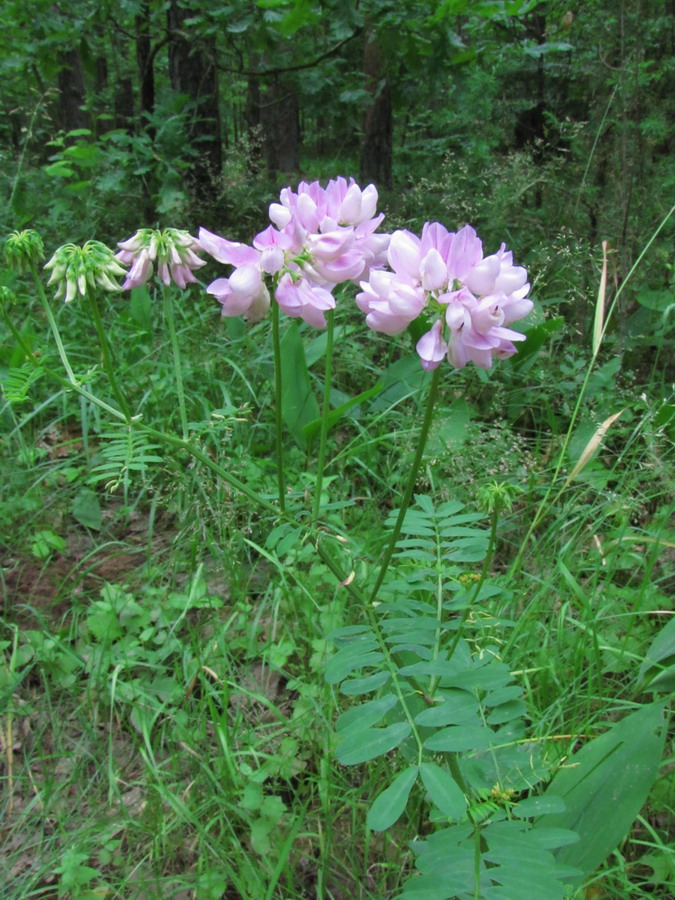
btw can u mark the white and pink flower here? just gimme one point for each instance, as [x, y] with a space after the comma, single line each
[320, 237]
[174, 253]
[472, 298]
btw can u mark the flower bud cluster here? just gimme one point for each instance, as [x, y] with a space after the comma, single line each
[319, 237]
[470, 298]
[174, 253]
[24, 249]
[76, 270]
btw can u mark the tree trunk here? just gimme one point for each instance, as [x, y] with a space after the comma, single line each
[281, 127]
[72, 95]
[253, 125]
[193, 72]
[146, 72]
[376, 149]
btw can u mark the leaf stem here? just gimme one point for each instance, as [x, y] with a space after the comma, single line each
[278, 394]
[106, 355]
[64, 382]
[51, 318]
[175, 348]
[330, 334]
[412, 478]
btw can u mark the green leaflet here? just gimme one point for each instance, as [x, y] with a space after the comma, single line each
[390, 804]
[539, 806]
[366, 715]
[362, 651]
[360, 746]
[356, 686]
[457, 738]
[299, 405]
[444, 791]
[458, 707]
[605, 785]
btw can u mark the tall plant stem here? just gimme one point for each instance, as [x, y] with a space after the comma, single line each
[51, 318]
[278, 387]
[330, 333]
[194, 451]
[106, 356]
[412, 478]
[177, 369]
[67, 383]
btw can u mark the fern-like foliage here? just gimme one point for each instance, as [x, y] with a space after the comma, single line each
[432, 688]
[16, 382]
[124, 451]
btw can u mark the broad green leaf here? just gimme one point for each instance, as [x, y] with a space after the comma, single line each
[351, 657]
[356, 686]
[87, 510]
[299, 405]
[365, 715]
[605, 785]
[444, 790]
[457, 708]
[539, 806]
[316, 347]
[657, 672]
[140, 307]
[311, 429]
[390, 804]
[658, 299]
[364, 745]
[457, 738]
[536, 337]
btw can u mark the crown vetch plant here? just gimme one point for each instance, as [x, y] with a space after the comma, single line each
[439, 695]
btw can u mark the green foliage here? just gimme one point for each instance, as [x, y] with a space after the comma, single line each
[605, 784]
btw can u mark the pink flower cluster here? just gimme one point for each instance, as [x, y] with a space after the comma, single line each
[471, 298]
[319, 237]
[174, 252]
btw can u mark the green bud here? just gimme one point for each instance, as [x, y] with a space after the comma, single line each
[498, 495]
[7, 297]
[24, 249]
[76, 270]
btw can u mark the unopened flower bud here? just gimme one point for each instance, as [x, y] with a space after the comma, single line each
[76, 270]
[7, 297]
[24, 249]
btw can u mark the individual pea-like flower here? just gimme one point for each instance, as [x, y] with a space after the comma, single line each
[24, 249]
[174, 252]
[469, 299]
[76, 270]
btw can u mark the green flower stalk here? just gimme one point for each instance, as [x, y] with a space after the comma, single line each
[174, 254]
[79, 272]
